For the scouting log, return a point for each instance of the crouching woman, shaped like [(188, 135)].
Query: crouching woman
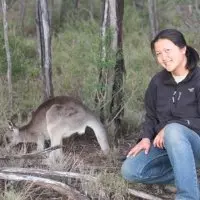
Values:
[(169, 149)]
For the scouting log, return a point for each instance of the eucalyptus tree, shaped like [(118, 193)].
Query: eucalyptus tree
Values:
[(197, 5), (8, 54), (110, 96), (153, 18), (76, 3), (22, 14), (44, 36)]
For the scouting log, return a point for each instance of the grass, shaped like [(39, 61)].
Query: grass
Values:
[(75, 61), (75, 53), (12, 193)]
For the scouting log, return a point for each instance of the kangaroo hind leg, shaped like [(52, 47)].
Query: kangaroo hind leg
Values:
[(56, 139)]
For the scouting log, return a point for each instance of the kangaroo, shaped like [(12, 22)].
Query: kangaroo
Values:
[(57, 118)]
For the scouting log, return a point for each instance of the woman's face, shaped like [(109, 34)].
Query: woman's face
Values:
[(170, 56)]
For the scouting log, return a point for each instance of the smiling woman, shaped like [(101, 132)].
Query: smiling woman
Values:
[(170, 48), (168, 152), (171, 57)]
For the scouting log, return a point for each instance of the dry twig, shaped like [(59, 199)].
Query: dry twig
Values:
[(143, 195), (34, 155)]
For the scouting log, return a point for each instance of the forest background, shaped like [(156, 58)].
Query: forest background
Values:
[(76, 51), (76, 41)]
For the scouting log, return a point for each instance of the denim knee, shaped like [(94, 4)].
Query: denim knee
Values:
[(173, 133), (129, 170)]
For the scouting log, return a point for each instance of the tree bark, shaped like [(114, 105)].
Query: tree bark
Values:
[(8, 54), (51, 8), (101, 93), (45, 47), (139, 4), (46, 173), (38, 29), (197, 6), (117, 103), (76, 4), (143, 195), (113, 23), (63, 12), (22, 15), (110, 95), (153, 20)]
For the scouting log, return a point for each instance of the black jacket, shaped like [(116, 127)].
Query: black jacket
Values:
[(167, 102)]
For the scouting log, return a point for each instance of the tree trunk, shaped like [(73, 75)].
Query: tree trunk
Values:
[(111, 49), (197, 6), (155, 15), (117, 103), (153, 20), (76, 4), (110, 94), (22, 15), (8, 55), (43, 23), (38, 29), (113, 23), (139, 4), (63, 11), (51, 7), (101, 94)]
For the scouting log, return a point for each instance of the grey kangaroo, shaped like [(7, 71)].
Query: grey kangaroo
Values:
[(57, 118)]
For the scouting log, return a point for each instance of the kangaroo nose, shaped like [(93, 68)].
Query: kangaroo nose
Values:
[(7, 140)]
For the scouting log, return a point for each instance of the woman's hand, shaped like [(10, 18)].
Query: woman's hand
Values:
[(159, 139), (144, 144)]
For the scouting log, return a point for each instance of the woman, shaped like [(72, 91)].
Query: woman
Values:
[(169, 149)]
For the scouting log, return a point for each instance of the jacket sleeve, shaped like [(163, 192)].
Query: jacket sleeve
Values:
[(198, 99), (150, 121)]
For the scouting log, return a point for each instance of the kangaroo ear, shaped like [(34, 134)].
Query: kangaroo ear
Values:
[(11, 125)]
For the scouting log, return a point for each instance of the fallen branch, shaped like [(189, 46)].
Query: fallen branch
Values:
[(47, 173), (143, 195), (38, 154), (61, 188)]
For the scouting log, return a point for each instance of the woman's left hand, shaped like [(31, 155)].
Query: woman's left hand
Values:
[(159, 139)]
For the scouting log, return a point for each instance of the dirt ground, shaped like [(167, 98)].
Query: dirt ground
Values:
[(92, 156), (88, 153)]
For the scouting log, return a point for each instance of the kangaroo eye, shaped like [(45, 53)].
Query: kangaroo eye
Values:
[(7, 140)]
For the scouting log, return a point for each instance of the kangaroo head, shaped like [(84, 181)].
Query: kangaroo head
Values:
[(12, 136)]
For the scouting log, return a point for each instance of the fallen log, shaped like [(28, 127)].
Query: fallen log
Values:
[(41, 172), (143, 195), (61, 188), (47, 173)]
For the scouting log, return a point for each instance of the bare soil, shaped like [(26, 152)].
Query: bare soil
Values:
[(87, 152)]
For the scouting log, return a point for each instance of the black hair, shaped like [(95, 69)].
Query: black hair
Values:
[(178, 39)]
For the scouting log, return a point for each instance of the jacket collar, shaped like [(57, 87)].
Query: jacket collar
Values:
[(169, 80)]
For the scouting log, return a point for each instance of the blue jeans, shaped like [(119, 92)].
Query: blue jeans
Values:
[(175, 164)]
